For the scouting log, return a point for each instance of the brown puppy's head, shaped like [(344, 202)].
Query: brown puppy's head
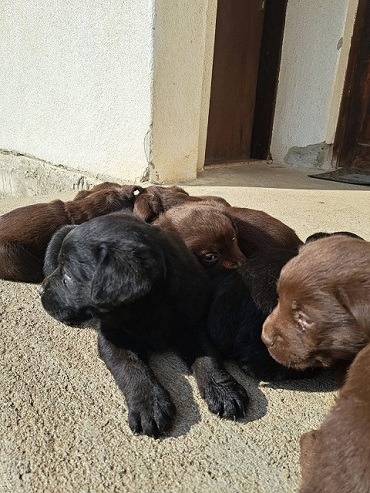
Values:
[(206, 231), (157, 199), (324, 304), (103, 201), (97, 188)]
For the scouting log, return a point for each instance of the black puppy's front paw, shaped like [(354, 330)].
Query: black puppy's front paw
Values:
[(226, 397), (152, 413)]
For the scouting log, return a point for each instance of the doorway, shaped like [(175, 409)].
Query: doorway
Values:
[(247, 49), (352, 139)]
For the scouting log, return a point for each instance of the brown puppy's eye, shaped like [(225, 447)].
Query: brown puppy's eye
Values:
[(210, 258)]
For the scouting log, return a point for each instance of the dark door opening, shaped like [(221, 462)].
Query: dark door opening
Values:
[(352, 139), (247, 51)]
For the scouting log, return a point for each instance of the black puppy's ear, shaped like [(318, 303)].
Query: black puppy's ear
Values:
[(53, 248), (119, 278)]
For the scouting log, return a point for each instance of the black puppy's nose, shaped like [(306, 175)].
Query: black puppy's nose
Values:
[(267, 340)]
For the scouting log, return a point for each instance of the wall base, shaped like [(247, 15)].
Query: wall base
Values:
[(24, 175)]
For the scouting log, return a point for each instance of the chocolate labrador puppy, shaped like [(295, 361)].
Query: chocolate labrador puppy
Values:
[(337, 456), (149, 293), (26, 231), (324, 304), (157, 199)]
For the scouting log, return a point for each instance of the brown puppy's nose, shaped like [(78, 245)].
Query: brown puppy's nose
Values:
[(267, 340)]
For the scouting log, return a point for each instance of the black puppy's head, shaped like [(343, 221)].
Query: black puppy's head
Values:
[(97, 266)]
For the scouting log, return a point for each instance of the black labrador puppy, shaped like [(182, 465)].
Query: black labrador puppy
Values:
[(241, 301), (149, 293)]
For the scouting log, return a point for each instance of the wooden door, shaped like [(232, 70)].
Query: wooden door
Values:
[(239, 26), (352, 140)]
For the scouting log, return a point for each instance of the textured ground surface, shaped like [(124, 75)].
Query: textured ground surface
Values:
[(63, 422)]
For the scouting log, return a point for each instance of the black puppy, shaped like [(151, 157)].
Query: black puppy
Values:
[(149, 293), (242, 300)]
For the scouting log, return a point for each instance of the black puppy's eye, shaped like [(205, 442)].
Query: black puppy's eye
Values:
[(210, 258)]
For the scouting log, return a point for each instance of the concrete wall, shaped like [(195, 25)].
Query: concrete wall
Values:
[(183, 49), (76, 83), (311, 79)]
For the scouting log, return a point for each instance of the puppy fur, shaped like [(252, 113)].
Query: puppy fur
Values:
[(324, 304), (207, 231), (157, 199), (259, 232), (26, 231), (149, 293), (241, 302), (337, 456), (320, 234), (101, 186)]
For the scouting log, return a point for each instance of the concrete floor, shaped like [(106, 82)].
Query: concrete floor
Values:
[(63, 422)]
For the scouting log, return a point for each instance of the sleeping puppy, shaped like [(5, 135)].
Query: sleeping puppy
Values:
[(26, 231), (101, 186), (337, 456), (241, 301), (157, 199), (324, 304), (207, 231), (149, 293)]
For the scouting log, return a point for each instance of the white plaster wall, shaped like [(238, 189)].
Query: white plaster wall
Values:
[(308, 72), (76, 82), (180, 100)]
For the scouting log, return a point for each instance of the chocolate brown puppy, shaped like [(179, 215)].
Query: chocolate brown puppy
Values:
[(26, 231), (337, 456), (324, 304), (157, 199), (101, 186)]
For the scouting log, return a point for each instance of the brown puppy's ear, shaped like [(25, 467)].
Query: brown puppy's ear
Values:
[(147, 206), (119, 277), (356, 305)]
